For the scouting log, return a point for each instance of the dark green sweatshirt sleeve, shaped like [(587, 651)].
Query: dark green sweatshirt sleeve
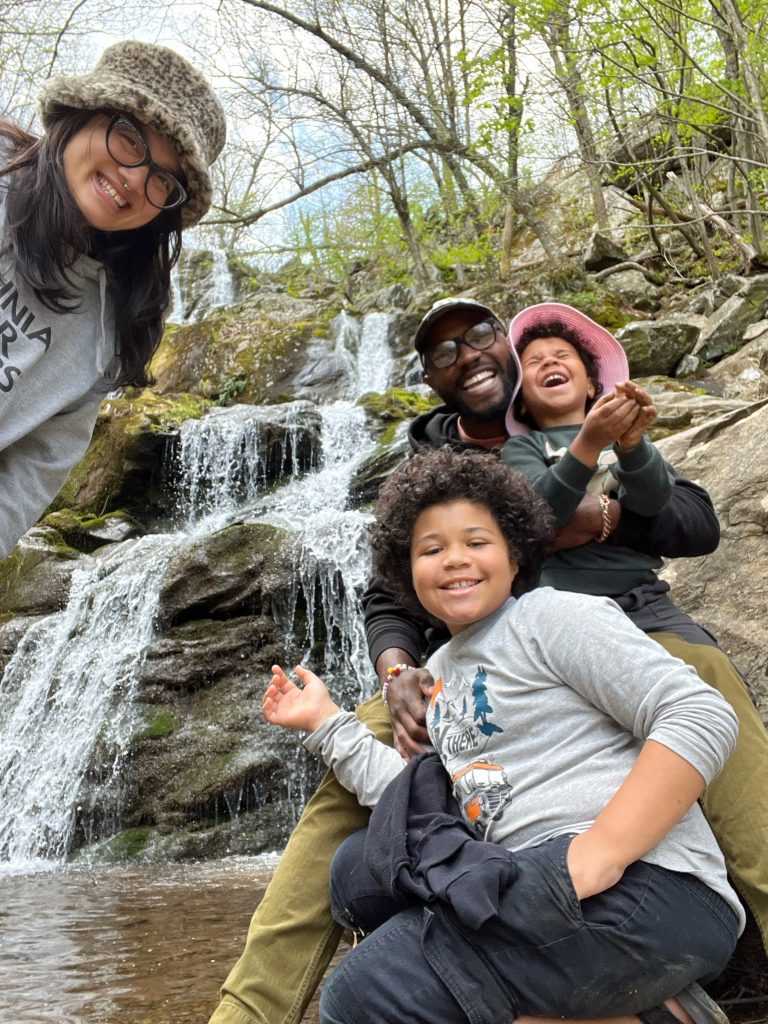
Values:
[(645, 485)]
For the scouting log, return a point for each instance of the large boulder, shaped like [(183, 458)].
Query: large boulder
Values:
[(234, 571), (683, 404), (744, 374), (602, 252), (724, 330), (656, 346), (632, 288), (123, 467), (728, 590), (250, 354)]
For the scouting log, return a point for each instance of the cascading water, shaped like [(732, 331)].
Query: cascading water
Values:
[(221, 471), (66, 699), (195, 293)]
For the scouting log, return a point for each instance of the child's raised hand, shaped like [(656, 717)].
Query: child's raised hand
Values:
[(645, 417), (610, 418), (294, 707)]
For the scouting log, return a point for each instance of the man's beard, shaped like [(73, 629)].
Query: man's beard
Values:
[(494, 412)]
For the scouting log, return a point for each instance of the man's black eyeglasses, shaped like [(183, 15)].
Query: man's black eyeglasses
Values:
[(129, 148), (445, 353)]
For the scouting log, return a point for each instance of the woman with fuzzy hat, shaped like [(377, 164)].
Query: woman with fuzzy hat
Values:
[(91, 214), (578, 426)]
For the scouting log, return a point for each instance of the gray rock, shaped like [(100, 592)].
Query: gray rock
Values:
[(656, 346), (198, 653), (35, 579), (394, 297), (744, 374), (681, 405), (237, 570), (633, 289), (688, 366), (371, 474), (602, 252), (724, 329)]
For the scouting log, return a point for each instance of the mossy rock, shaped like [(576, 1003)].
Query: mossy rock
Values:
[(123, 465), (385, 412), (35, 578), (127, 845), (599, 306), (158, 726), (248, 354), (88, 533)]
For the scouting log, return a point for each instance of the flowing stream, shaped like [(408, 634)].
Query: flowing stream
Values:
[(71, 934)]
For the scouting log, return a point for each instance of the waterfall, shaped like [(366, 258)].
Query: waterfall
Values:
[(66, 702), (67, 696), (220, 291), (200, 283)]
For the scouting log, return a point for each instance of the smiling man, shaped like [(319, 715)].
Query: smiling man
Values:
[(469, 362)]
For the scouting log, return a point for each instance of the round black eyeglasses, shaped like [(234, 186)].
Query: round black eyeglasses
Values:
[(445, 353), (128, 147)]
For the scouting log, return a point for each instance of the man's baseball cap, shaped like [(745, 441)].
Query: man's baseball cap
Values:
[(439, 309)]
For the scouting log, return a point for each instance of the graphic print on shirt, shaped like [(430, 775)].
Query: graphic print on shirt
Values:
[(603, 480), (460, 720), (17, 327)]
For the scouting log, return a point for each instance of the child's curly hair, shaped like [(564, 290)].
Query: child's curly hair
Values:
[(442, 476)]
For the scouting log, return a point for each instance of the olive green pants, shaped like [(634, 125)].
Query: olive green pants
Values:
[(292, 938)]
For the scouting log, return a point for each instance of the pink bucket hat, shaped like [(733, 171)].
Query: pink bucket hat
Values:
[(611, 358)]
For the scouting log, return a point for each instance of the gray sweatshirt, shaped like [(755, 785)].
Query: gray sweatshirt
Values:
[(55, 368), (539, 713)]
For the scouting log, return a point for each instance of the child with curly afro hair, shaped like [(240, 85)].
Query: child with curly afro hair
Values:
[(439, 478), (549, 860)]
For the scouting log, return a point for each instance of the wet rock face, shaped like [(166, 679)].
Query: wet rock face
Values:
[(240, 569)]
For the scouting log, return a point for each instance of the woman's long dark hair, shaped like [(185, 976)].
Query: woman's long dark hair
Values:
[(46, 232)]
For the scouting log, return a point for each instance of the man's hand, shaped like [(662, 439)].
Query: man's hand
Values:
[(406, 695), (294, 708), (585, 524), (406, 702)]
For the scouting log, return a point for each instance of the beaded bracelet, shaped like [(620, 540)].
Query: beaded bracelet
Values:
[(605, 515), (391, 673)]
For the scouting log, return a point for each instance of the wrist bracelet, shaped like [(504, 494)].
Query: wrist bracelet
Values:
[(391, 673), (605, 515)]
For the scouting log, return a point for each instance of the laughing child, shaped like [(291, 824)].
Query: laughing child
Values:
[(584, 762)]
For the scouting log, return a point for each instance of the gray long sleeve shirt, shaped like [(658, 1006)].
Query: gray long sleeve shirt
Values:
[(55, 368), (539, 713)]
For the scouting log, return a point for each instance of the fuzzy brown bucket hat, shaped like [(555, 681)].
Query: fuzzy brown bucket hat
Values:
[(161, 89)]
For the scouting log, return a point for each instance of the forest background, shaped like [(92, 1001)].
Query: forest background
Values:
[(419, 137)]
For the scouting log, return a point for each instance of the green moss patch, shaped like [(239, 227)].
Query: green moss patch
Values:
[(158, 726)]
